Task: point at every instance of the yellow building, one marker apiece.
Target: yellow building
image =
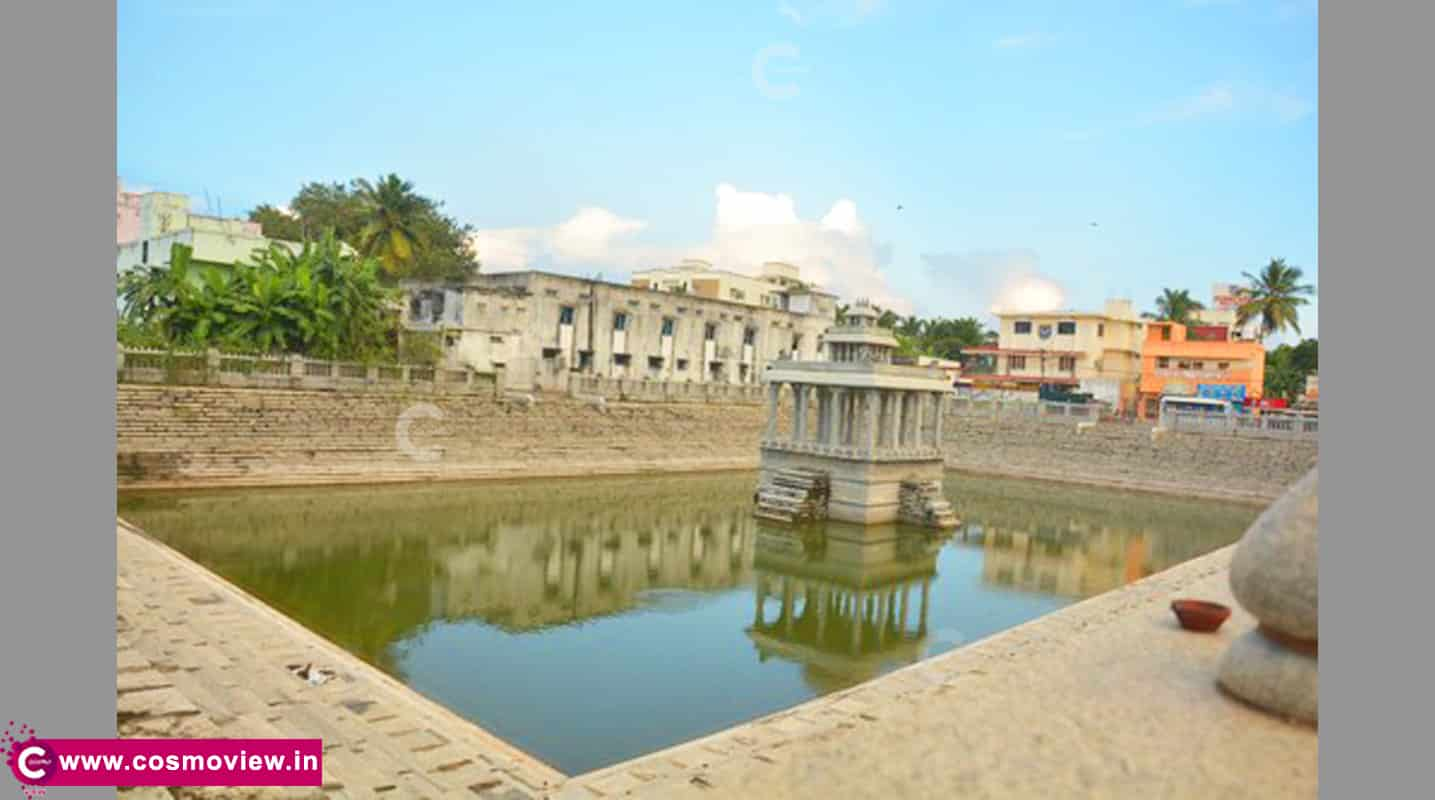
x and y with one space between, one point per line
1088 351
778 285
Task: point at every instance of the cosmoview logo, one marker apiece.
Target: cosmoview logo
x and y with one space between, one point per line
32 762
36 762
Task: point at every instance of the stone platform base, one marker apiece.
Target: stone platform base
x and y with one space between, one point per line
862 492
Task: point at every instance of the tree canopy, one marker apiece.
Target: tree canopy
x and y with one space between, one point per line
1175 305
1287 368
1274 297
406 232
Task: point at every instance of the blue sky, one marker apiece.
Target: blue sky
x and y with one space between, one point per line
605 137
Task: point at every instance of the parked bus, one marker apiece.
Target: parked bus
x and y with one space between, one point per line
1177 412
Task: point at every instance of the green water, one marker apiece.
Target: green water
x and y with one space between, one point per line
591 621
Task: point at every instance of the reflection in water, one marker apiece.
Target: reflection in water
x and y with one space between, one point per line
596 620
844 598
1073 542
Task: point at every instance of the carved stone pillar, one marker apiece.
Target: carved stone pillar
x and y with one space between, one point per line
870 400
799 411
941 400
774 393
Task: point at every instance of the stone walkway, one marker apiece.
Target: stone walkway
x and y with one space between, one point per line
197 657
1108 698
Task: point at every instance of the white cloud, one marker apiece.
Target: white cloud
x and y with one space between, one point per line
1023 41
836 250
791 13
982 282
591 236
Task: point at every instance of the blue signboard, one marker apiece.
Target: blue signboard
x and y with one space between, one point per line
1236 393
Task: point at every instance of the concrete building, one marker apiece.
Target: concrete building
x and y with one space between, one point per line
1203 360
150 224
778 285
1226 298
542 329
875 443
1094 352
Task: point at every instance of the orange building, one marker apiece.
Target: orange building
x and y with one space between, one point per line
1177 360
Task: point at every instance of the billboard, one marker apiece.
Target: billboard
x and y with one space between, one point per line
1226 297
1235 393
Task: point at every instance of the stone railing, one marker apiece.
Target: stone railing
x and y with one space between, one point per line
884 454
642 390
214 368
1270 426
1021 409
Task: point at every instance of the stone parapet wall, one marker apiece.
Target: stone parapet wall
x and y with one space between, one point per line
1128 454
175 435
197 436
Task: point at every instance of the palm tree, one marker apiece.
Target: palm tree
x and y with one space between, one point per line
1175 306
393 231
1274 296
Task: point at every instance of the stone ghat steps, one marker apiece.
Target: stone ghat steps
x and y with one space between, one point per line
171 435
923 503
793 495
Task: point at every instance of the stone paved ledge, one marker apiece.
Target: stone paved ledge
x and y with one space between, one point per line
197 657
1108 698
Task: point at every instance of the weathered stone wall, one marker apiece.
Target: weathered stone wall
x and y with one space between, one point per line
171 435
1121 453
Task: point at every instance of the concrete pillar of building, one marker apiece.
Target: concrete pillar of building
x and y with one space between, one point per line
919 421
941 402
889 422
839 416
871 400
799 412
821 432
774 394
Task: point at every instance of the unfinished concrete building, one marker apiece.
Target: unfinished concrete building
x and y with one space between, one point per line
543 329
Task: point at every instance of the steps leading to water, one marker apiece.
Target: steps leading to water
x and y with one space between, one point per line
922 503
793 495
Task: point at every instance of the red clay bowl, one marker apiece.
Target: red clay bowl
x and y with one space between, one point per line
1199 615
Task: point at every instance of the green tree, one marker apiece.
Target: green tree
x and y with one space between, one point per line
394 230
276 224
1175 306
323 207
1287 368
949 338
1274 296
317 300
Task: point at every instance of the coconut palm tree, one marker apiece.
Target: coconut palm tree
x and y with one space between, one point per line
1274 296
1175 306
393 233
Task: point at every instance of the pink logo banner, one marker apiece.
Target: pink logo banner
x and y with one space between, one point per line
167 762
